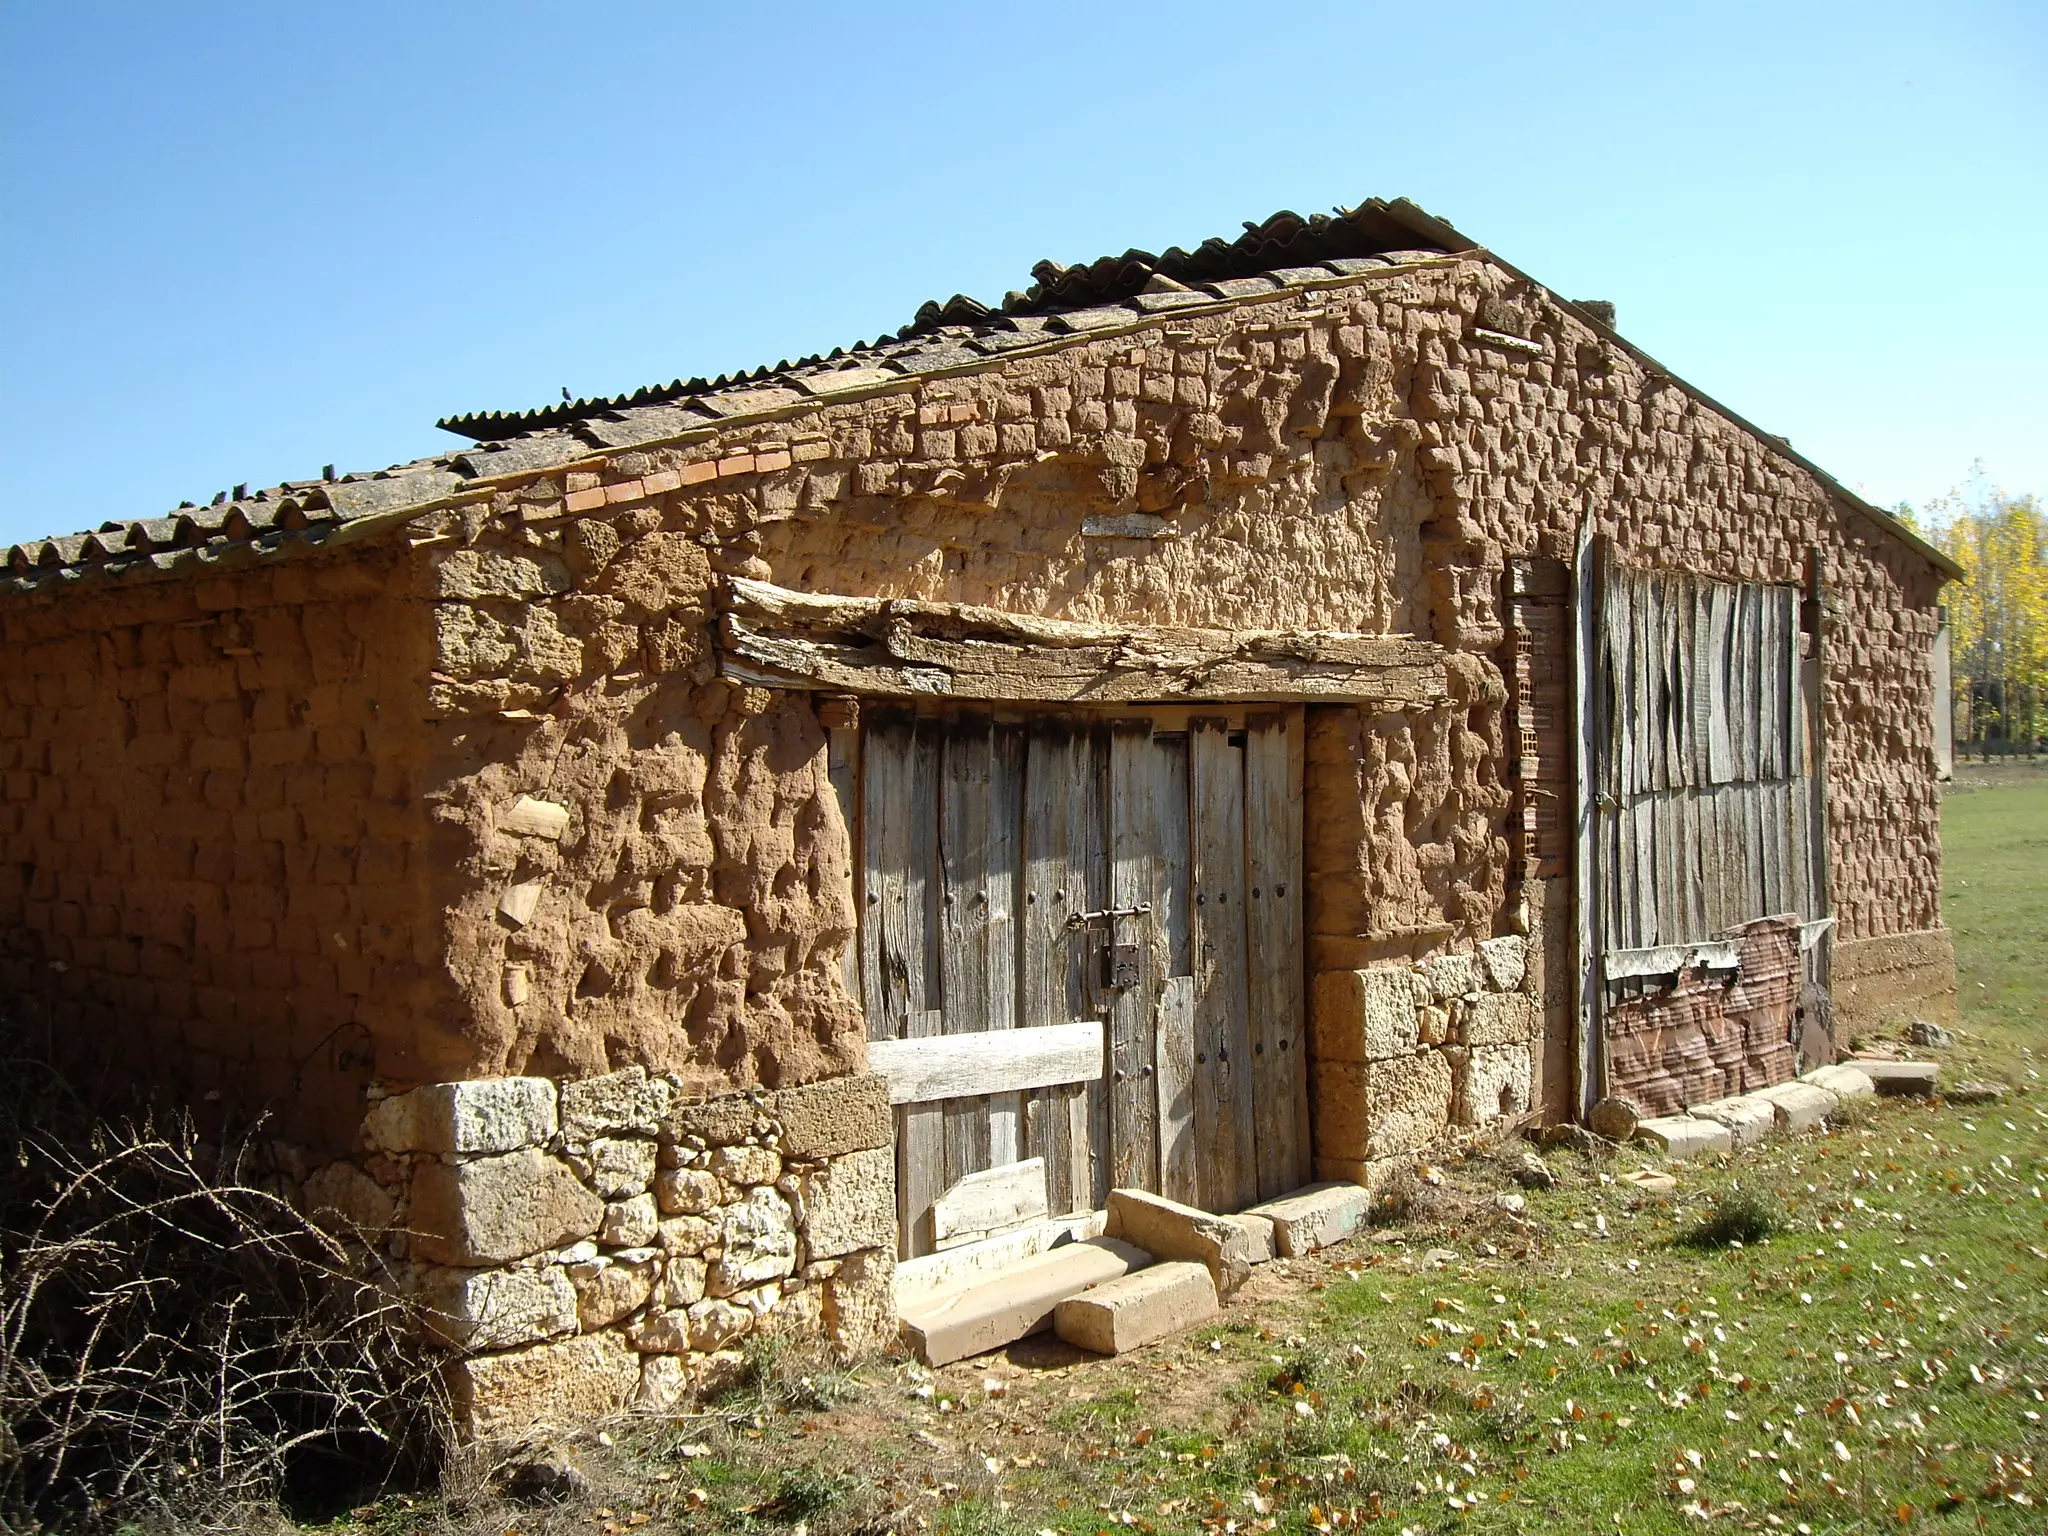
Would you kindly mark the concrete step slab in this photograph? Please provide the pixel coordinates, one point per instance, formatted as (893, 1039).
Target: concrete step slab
(1911, 1077)
(1166, 1229)
(1682, 1136)
(954, 1268)
(1138, 1309)
(1016, 1303)
(1842, 1080)
(1749, 1120)
(1315, 1217)
(1800, 1106)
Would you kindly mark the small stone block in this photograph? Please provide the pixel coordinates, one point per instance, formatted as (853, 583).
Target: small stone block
(1166, 1229)
(1121, 1315)
(1844, 1081)
(1015, 1304)
(1749, 1120)
(1922, 1078)
(1681, 1136)
(1799, 1106)
(497, 1114)
(1315, 1217)
(536, 818)
(1258, 1230)
(836, 1116)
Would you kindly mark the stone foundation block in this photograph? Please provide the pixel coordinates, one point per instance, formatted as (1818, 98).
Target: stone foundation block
(1922, 1078)
(497, 1308)
(1363, 1015)
(1497, 1018)
(571, 1381)
(714, 1123)
(1843, 1080)
(342, 1198)
(633, 1223)
(1138, 1309)
(1258, 1231)
(1493, 1082)
(1167, 1229)
(1014, 1304)
(492, 1210)
(687, 1191)
(1451, 976)
(1315, 1217)
(1681, 1136)
(626, 1101)
(742, 1166)
(619, 1166)
(1749, 1119)
(607, 1290)
(1505, 962)
(1368, 1110)
(860, 1302)
(1798, 1106)
(833, 1118)
(851, 1203)
(499, 1114)
(760, 1242)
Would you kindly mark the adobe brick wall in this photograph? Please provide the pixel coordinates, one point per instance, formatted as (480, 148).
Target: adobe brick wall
(214, 866)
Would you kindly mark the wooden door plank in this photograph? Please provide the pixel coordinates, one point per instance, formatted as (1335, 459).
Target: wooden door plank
(920, 1156)
(1225, 1128)
(1003, 890)
(894, 894)
(1179, 1162)
(1136, 787)
(994, 1200)
(965, 810)
(1273, 757)
(1043, 990)
(994, 1061)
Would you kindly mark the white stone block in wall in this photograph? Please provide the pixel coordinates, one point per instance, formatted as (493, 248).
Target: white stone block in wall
(1493, 1082)
(1367, 1015)
(1497, 1018)
(760, 1243)
(626, 1101)
(687, 1191)
(851, 1203)
(742, 1166)
(498, 1308)
(619, 1166)
(630, 1223)
(715, 1324)
(499, 1114)
(1505, 961)
(491, 1210)
(1450, 976)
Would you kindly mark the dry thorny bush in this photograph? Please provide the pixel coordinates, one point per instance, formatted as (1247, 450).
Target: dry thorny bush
(178, 1342)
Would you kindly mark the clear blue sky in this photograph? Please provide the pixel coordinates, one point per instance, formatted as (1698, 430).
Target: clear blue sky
(243, 241)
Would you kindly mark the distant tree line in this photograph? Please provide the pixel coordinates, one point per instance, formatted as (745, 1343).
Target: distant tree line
(1998, 618)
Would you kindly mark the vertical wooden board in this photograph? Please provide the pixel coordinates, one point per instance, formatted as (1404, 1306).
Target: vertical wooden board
(920, 1156)
(1273, 756)
(1063, 876)
(1179, 1160)
(964, 961)
(1004, 886)
(898, 849)
(1224, 1125)
(1720, 737)
(1136, 774)
(1701, 623)
(1172, 893)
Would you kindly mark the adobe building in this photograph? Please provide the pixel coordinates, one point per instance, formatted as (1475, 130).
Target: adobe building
(1208, 723)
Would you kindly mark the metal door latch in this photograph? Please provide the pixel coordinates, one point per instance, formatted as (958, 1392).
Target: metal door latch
(1083, 919)
(1120, 966)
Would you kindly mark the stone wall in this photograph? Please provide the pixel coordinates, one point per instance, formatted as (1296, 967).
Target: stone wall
(587, 1246)
(1401, 1053)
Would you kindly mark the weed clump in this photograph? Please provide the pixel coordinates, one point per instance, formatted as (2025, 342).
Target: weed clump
(1740, 1217)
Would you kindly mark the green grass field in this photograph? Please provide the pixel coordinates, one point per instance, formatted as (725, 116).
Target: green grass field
(1878, 1363)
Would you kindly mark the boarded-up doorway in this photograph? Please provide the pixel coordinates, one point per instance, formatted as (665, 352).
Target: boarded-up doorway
(1080, 943)
(1702, 875)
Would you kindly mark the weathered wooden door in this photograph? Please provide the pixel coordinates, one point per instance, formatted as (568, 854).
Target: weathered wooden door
(1081, 959)
(1703, 882)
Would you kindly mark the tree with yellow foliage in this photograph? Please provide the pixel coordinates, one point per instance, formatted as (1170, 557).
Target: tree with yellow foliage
(1998, 617)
